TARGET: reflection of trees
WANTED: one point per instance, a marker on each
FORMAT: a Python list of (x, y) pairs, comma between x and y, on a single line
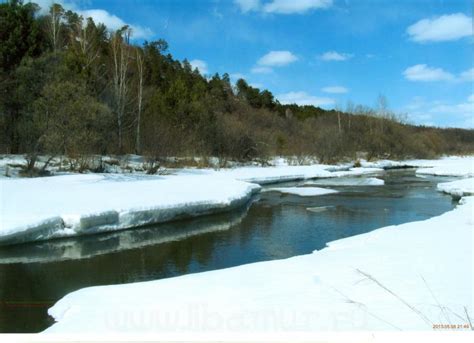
[(259, 218)]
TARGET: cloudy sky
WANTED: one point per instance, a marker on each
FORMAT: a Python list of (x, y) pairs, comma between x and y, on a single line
[(417, 53)]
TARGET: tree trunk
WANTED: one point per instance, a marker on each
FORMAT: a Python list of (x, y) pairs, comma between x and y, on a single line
[(140, 97), (120, 55)]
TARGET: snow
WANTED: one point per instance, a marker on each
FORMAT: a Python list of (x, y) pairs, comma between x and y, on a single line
[(450, 166), (405, 277), (269, 175), (50, 207), (458, 188), (386, 164), (302, 191), (360, 181), (446, 166), (283, 173)]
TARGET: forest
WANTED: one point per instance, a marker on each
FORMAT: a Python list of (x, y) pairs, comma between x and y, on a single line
[(69, 86)]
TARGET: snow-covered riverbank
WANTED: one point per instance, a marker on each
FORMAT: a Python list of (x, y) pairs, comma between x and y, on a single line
[(35, 209), (61, 206), (414, 276), (76, 204)]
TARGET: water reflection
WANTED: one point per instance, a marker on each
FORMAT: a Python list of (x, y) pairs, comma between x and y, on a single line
[(90, 246)]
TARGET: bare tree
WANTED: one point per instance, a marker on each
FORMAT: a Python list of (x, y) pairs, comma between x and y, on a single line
[(56, 13), (87, 41), (140, 98), (350, 110), (120, 53), (338, 111), (382, 110)]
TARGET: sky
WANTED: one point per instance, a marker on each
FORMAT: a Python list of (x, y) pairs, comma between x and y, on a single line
[(418, 54)]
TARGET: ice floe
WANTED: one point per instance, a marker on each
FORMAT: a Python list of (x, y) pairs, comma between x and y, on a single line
[(359, 181), (302, 191), (458, 188)]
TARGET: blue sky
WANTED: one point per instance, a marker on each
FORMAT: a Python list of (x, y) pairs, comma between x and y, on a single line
[(417, 53)]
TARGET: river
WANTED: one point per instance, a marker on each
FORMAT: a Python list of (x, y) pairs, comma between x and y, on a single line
[(273, 226)]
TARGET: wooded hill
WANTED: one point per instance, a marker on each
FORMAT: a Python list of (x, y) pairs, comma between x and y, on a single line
[(69, 86)]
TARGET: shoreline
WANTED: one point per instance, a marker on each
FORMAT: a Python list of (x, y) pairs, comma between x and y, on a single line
[(38, 209)]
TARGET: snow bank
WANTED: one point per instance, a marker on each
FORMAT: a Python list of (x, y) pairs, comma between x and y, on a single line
[(458, 188), (406, 277), (370, 181), (449, 166), (302, 191), (387, 164), (60, 206), (268, 175), (446, 166)]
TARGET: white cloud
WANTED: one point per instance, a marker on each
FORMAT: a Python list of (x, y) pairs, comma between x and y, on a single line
[(200, 65), (236, 76), (248, 5), (98, 15), (277, 59), (46, 4), (282, 6), (295, 6), (442, 113), (256, 85), (467, 75), (261, 70), (303, 98), (460, 113), (335, 56), (422, 72), (114, 23), (444, 28), (335, 89)]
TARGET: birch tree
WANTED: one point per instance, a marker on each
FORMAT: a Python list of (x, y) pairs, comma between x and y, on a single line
[(139, 99), (56, 13), (120, 53)]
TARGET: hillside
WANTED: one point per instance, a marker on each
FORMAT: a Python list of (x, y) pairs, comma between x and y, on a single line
[(71, 87)]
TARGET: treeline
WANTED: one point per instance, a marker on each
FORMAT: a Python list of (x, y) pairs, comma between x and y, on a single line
[(69, 86)]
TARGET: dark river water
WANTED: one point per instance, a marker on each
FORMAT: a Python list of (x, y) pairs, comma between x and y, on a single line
[(274, 226)]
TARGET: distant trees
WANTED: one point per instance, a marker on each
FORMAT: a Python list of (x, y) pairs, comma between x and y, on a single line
[(69, 86)]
